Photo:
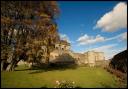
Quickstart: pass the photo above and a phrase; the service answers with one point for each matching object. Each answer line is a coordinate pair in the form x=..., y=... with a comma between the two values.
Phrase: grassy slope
x=83, y=76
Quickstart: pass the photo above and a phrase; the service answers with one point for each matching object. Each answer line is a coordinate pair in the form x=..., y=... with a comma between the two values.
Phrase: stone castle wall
x=94, y=57
x=90, y=57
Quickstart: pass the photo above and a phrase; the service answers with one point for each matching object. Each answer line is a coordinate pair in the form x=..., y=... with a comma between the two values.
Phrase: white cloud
x=120, y=37
x=105, y=47
x=64, y=37
x=115, y=19
x=124, y=36
x=109, y=50
x=83, y=40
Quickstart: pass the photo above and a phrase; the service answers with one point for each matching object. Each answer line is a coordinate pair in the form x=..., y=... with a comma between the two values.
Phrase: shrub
x=122, y=77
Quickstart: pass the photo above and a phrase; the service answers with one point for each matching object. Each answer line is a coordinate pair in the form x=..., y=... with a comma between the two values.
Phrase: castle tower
x=100, y=56
x=91, y=58
x=60, y=48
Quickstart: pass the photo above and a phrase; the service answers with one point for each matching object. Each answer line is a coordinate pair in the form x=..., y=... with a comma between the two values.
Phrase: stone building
x=90, y=58
x=61, y=47
x=80, y=58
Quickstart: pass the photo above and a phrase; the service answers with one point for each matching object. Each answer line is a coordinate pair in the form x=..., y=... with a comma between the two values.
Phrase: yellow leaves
x=6, y=20
x=44, y=15
x=52, y=29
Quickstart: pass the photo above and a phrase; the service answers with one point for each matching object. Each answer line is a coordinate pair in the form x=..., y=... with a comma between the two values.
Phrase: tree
x=22, y=24
x=119, y=61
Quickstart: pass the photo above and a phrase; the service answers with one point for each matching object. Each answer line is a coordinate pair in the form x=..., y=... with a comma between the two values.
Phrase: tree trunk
x=9, y=67
x=47, y=59
x=30, y=65
x=48, y=53
x=2, y=65
x=11, y=36
x=12, y=65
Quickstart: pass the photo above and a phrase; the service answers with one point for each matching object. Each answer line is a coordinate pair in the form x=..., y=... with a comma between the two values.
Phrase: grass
x=84, y=77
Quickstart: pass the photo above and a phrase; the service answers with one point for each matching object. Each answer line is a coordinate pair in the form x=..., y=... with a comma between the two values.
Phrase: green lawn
x=82, y=76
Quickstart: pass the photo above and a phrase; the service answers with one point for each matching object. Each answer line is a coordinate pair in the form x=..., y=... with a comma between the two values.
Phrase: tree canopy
x=25, y=27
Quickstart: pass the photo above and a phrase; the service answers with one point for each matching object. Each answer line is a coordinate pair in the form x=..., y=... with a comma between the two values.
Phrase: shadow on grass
x=26, y=69
x=52, y=68
x=22, y=69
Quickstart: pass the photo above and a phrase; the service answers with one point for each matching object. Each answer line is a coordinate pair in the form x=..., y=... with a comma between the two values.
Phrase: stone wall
x=59, y=50
x=100, y=56
x=94, y=57
x=90, y=57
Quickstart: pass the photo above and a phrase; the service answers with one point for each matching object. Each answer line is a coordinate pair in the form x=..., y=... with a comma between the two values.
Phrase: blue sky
x=87, y=26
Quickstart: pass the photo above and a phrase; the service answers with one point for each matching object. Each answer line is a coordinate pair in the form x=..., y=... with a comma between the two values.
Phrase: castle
x=90, y=58
x=61, y=47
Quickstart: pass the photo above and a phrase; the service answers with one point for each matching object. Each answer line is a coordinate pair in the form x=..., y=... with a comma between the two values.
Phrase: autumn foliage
x=25, y=27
